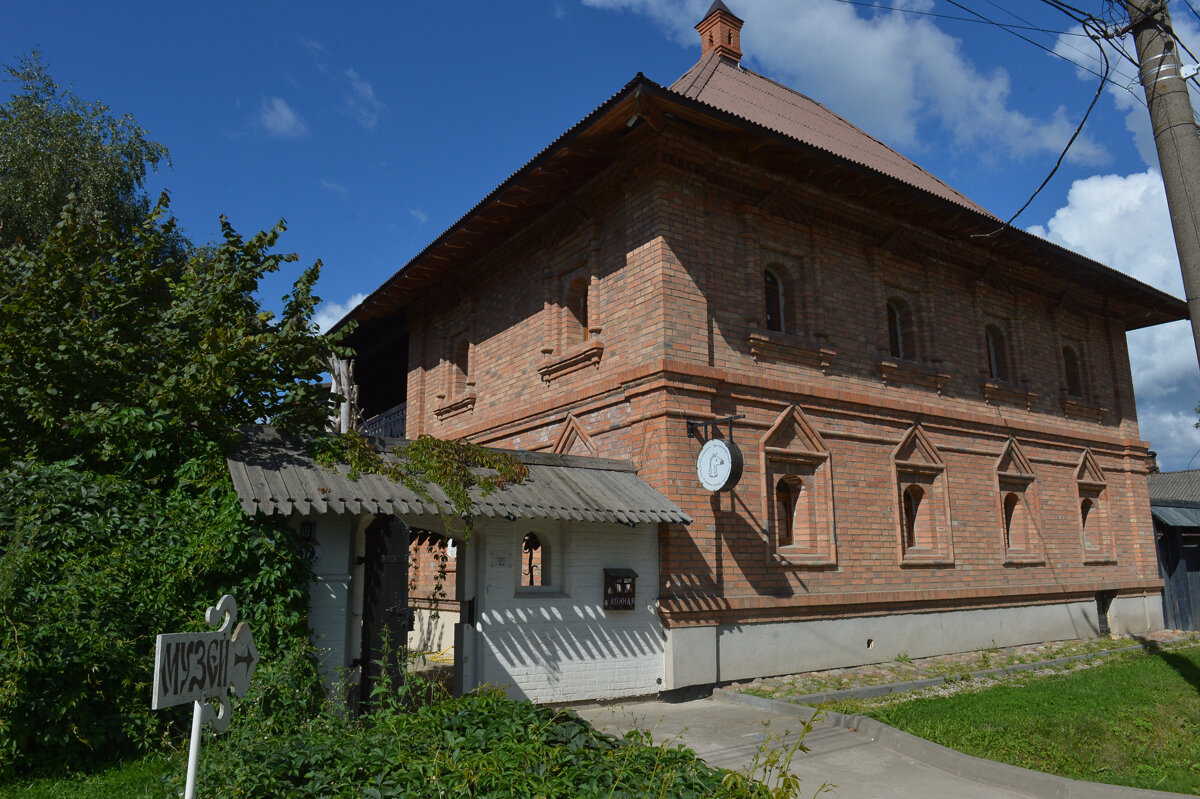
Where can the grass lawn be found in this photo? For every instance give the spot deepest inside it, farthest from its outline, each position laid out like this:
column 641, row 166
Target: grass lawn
column 131, row 779
column 1133, row 720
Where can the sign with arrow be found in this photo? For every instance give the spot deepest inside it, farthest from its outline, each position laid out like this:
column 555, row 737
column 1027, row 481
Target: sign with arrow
column 196, row 667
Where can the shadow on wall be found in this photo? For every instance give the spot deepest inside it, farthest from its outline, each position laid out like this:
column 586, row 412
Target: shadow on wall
column 571, row 652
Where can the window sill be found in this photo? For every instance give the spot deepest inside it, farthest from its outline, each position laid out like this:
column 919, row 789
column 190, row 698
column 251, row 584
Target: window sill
column 579, row 357
column 1000, row 391
column 803, row 558
column 1079, row 409
column 1018, row 559
column 912, row 373
column 1099, row 558
column 925, row 558
column 769, row 345
column 546, row 592
column 463, row 404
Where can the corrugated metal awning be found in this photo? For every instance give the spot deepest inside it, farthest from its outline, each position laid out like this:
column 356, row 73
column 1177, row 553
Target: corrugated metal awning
column 1176, row 516
column 273, row 474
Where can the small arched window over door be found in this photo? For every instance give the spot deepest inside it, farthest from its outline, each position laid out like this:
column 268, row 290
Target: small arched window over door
column 773, row 301
column 535, row 562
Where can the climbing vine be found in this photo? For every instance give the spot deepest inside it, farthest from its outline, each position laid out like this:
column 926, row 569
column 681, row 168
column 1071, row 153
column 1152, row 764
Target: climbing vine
column 453, row 466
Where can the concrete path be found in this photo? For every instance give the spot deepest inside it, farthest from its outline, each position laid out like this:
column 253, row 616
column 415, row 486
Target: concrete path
column 871, row 761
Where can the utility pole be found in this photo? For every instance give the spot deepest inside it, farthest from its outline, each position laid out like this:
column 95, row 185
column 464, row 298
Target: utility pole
column 1175, row 136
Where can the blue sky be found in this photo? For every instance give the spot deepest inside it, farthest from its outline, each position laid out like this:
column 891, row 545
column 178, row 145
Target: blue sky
column 372, row 127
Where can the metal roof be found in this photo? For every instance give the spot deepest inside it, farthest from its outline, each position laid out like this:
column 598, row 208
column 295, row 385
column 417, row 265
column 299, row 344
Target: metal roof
column 275, row 474
column 727, row 86
column 1182, row 486
column 1176, row 516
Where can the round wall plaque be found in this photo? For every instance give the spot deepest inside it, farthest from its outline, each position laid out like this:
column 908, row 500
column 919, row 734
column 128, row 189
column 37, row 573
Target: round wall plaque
column 719, row 466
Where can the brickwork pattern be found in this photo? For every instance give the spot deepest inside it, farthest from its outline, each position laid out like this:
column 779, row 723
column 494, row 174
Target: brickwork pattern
column 675, row 240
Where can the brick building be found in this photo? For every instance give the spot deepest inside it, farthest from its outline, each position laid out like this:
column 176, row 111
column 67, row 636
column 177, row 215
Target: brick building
column 935, row 410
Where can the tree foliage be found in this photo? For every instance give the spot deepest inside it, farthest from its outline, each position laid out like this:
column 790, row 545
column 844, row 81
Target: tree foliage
column 127, row 359
column 53, row 143
column 92, row 567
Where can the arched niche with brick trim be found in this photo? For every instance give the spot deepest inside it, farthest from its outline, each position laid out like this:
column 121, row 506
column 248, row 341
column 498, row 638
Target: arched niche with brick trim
column 573, row 439
column 1094, row 528
column 797, row 493
column 1019, row 508
column 922, row 502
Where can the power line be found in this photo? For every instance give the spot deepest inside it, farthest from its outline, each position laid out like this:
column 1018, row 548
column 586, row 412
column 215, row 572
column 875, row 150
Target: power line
column 1030, row 26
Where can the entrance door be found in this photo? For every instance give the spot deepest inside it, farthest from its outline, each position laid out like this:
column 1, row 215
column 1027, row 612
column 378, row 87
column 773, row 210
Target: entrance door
column 386, row 616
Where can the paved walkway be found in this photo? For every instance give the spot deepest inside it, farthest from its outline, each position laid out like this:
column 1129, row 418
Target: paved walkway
column 858, row 756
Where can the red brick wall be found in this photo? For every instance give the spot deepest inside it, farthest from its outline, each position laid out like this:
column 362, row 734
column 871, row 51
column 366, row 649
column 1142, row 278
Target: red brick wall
column 673, row 239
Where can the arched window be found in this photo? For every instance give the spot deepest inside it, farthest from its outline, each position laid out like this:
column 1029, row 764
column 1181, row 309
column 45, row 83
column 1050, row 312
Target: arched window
column 773, row 300
column 575, row 322
column 462, row 354
column 1085, row 513
column 788, row 493
column 1071, row 372
column 997, row 352
column 535, row 562
column 914, row 517
column 900, row 329
column 1012, row 504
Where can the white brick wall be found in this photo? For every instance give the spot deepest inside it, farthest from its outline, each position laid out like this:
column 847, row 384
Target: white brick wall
column 559, row 644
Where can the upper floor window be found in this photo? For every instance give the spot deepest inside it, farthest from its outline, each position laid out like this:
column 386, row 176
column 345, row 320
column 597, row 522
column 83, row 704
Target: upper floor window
column 1071, row 372
column 901, row 342
column 575, row 321
column 462, row 354
column 997, row 353
column 773, row 300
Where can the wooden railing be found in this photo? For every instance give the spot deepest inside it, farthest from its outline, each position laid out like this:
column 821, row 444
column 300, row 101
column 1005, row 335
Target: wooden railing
column 389, row 424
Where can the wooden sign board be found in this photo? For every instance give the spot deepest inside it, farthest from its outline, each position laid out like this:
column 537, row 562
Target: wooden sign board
column 192, row 667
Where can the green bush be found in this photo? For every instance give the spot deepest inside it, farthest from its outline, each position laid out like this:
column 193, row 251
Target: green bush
column 480, row 745
column 92, row 568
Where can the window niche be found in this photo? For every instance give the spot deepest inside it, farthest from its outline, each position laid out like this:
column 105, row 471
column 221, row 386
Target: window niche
column 1019, row 509
column 903, row 342
column 538, row 566
column 458, row 395
column 797, row 493
column 783, row 329
column 575, row 328
column 1094, row 529
column 1000, row 368
column 922, row 502
column 1075, row 391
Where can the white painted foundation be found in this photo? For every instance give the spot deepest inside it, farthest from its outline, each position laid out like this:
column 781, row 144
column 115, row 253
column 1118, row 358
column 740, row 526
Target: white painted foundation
column 703, row 655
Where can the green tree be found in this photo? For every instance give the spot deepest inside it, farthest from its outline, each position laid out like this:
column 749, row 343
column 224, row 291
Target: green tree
column 52, row 143
column 128, row 361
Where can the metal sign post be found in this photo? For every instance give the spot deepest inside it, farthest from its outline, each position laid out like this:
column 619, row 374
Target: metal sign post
column 196, row 667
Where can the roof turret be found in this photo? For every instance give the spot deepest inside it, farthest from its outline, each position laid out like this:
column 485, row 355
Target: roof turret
column 721, row 31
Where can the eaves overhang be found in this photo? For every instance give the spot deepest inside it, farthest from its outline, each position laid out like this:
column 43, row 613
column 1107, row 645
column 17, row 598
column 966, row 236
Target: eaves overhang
column 591, row 144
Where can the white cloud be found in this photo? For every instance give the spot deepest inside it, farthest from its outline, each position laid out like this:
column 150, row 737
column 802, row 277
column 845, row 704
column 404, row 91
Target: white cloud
column 1122, row 221
column 331, row 186
column 330, row 313
column 419, row 215
column 279, row 120
column 361, row 103
column 892, row 74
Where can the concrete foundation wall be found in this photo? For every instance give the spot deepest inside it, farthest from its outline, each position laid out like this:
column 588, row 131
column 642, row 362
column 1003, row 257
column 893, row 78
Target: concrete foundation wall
column 700, row 655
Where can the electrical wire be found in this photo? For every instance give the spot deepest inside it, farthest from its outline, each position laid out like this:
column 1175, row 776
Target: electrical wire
column 1078, row 129
column 915, row 12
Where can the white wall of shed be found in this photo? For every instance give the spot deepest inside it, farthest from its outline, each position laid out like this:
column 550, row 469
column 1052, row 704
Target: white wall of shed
column 559, row 644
